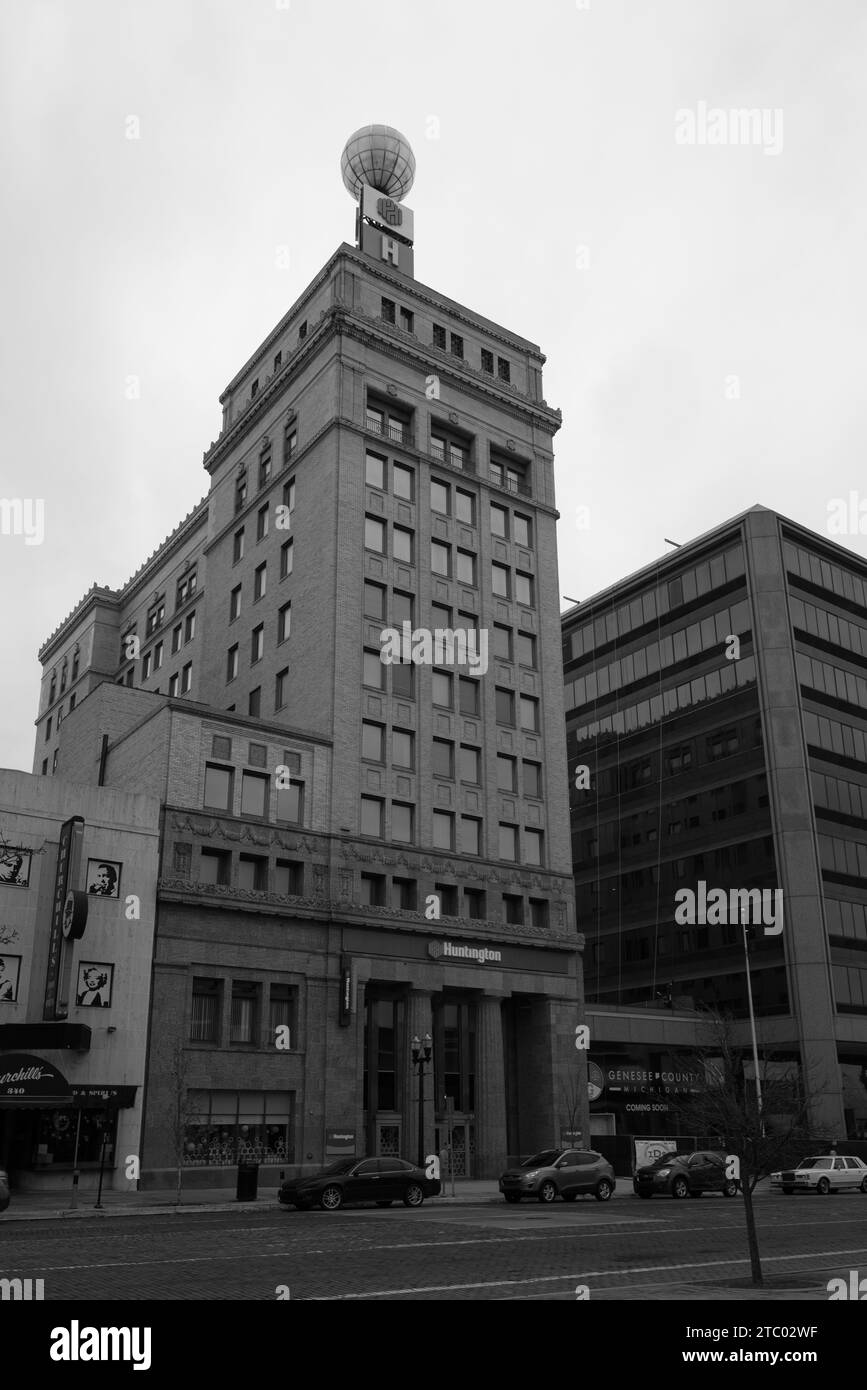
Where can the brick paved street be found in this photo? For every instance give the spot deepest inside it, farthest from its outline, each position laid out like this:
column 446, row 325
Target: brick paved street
column 626, row 1249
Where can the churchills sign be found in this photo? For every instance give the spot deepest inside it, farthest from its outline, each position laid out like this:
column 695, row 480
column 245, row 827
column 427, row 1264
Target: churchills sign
column 23, row 1074
column 477, row 953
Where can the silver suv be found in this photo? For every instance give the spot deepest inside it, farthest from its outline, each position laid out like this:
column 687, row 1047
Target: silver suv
column 557, row 1173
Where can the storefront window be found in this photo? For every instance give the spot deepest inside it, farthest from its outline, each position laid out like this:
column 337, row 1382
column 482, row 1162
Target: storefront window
column 55, row 1137
column 229, row 1127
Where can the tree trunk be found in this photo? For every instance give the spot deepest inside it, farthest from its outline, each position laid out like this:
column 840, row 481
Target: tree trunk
column 178, row 1196
column 752, row 1235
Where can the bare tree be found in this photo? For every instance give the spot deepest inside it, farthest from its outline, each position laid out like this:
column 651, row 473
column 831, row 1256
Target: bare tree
column 181, row 1112
column 760, row 1138
column 570, row 1094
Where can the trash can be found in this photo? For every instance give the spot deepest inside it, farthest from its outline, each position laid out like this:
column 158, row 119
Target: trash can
column 248, row 1182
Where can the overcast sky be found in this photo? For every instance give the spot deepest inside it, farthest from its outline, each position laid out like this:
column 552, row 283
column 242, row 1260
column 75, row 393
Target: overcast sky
column 702, row 306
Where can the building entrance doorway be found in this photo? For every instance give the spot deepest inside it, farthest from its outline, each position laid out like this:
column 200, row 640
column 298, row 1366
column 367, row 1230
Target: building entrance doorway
column 462, row 1160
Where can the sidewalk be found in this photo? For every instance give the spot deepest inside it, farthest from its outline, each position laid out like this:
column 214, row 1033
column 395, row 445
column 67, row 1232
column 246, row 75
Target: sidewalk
column 48, row 1206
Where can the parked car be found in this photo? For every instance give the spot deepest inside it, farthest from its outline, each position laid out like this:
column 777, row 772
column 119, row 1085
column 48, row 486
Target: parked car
column 685, row 1175
column 379, row 1180
column 828, row 1173
column 4, row 1190
column 557, row 1173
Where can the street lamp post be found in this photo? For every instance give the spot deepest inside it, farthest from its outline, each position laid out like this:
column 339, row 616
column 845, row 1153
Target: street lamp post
column 421, row 1052
column 744, row 925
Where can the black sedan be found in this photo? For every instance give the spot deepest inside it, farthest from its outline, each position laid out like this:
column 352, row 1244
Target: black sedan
column 379, row 1180
column 4, row 1190
column 685, row 1175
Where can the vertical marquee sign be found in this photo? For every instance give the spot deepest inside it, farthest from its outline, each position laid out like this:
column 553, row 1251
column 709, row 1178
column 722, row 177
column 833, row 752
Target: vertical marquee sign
column 68, row 859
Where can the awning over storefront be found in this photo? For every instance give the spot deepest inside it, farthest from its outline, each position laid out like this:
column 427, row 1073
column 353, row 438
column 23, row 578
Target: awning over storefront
column 28, row 1081
column 48, row 1036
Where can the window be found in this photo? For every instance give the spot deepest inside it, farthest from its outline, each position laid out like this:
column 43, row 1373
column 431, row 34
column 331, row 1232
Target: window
column 471, row 838
column 523, row 588
column 439, row 497
column 457, row 345
column 205, row 1015
column 401, row 822
column 402, row 544
column 533, row 779
column 286, row 558
column 173, row 684
column 404, row 894
column 262, row 523
column 130, row 675
column 474, row 903
column 500, row 580
column 487, row 361
column 468, row 695
column 374, row 670
column 48, row 729
column 235, row 603
column 289, row 497
column 186, row 588
column 402, row 482
column 513, row 905
column 146, row 666
column 439, row 337
column 465, row 507
column 288, row 879
column 371, row 816
column 499, row 521
column 374, row 600
column 189, row 627
column 373, row 742
column 466, row 567
column 218, row 787
column 241, row 492
column 254, row 387
column 257, row 755
column 401, row 608
column 254, row 794
column 281, row 687
column 526, row 649
column 302, row 331
column 402, row 748
column 504, row 371
column 533, row 847
column 448, row 896
column 290, row 442
column 502, row 642
column 441, row 689
column 506, row 776
column 440, row 556
column 290, row 802
column 374, row 470
column 387, row 310
column 75, row 654
column 443, row 829
column 158, row 656
column 231, row 663
column 242, row 1015
column 278, row 361
column 443, row 758
column 238, row 546
column 522, row 530
column 284, row 622
column 508, row 842
column 372, row 890
column 264, row 468
column 54, row 760
column 509, row 474
column 257, row 643
column 186, row 678
column 530, row 713
column 505, row 705
column 374, row 534
column 407, row 320
column 177, row 633
column 44, row 767
column 254, row 702
column 470, row 764
column 253, row 872
column 402, row 679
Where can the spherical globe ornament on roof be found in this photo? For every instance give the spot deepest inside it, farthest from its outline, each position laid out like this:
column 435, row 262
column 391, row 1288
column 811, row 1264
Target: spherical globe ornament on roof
column 381, row 156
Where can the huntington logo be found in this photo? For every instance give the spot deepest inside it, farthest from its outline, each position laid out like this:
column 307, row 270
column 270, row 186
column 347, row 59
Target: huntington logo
column 440, row 949
column 389, row 211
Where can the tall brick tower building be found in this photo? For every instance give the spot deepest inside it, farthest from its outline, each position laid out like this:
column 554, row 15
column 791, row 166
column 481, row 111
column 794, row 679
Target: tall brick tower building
column 385, row 462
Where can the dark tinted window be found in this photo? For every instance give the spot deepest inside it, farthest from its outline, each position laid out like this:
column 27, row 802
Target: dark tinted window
column 586, row 1159
column 542, row 1160
column 370, row 1165
column 394, row 1165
